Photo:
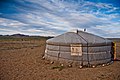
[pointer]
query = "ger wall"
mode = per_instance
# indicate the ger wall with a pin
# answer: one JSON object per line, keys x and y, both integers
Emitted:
{"x": 93, "y": 55}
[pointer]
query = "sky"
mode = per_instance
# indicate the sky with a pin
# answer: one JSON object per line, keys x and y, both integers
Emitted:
{"x": 55, "y": 17}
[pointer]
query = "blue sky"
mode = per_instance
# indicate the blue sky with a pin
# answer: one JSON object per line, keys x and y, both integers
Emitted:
{"x": 54, "y": 17}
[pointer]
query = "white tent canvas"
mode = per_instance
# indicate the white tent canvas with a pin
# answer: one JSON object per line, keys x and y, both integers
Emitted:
{"x": 79, "y": 46}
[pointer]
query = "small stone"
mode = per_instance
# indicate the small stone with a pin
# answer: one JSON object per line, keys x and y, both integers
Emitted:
{"x": 111, "y": 62}
{"x": 69, "y": 65}
{"x": 93, "y": 66}
{"x": 51, "y": 62}
{"x": 80, "y": 67}
{"x": 62, "y": 65}
{"x": 108, "y": 63}
{"x": 103, "y": 65}
{"x": 43, "y": 58}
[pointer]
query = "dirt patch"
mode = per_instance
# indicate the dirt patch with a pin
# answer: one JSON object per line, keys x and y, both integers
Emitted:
{"x": 26, "y": 63}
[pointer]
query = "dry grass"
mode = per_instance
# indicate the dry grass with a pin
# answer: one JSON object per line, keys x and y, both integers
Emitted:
{"x": 26, "y": 63}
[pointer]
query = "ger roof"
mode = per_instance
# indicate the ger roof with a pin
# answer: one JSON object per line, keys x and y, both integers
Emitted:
{"x": 78, "y": 37}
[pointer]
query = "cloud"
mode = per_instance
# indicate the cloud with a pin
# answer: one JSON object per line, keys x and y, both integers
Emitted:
{"x": 53, "y": 17}
{"x": 11, "y": 23}
{"x": 109, "y": 28}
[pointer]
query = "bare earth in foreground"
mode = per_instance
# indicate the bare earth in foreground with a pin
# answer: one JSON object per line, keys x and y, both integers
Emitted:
{"x": 23, "y": 61}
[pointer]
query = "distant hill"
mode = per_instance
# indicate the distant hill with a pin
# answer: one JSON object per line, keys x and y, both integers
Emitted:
{"x": 20, "y": 35}
{"x": 23, "y": 37}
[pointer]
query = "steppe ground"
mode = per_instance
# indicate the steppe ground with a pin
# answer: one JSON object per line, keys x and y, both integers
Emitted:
{"x": 22, "y": 60}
